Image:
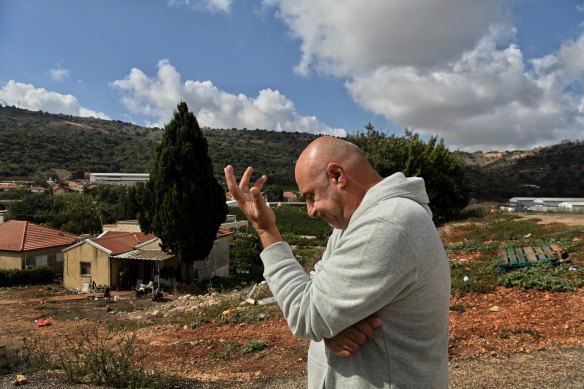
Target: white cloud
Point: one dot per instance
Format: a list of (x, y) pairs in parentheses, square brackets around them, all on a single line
[(205, 5), (59, 74), (39, 99), (445, 67), (158, 97)]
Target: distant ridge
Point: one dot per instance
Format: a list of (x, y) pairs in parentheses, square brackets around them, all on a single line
[(35, 144)]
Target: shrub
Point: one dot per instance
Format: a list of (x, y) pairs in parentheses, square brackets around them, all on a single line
[(37, 275), (112, 359)]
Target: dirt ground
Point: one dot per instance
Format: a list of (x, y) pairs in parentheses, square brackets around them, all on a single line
[(500, 324)]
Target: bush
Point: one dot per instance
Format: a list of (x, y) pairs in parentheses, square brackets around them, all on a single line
[(37, 275)]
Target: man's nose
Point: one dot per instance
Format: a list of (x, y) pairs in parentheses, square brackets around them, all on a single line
[(312, 213)]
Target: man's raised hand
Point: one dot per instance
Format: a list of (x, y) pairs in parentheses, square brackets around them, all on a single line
[(252, 204)]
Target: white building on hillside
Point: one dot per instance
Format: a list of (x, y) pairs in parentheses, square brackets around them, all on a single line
[(547, 204), (118, 178)]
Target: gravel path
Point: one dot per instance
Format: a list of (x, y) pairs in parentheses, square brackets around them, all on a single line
[(558, 368)]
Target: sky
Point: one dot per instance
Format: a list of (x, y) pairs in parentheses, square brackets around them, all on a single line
[(482, 75)]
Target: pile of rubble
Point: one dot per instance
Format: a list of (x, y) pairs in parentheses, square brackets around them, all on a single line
[(191, 304)]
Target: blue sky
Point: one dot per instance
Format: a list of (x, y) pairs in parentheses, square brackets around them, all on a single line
[(483, 75)]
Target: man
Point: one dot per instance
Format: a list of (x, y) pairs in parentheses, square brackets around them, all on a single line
[(384, 260)]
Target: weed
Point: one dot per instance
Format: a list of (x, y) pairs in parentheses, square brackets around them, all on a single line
[(198, 321), (112, 359), (473, 277), (254, 345), (503, 334), (458, 308), (543, 277), (34, 355), (217, 355)]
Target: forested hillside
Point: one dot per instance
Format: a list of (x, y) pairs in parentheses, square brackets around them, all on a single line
[(34, 144), (555, 171)]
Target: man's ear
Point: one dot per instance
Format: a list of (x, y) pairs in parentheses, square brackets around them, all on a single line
[(336, 173)]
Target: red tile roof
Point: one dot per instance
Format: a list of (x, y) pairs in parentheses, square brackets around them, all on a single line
[(223, 232), (18, 235), (118, 242), (289, 195)]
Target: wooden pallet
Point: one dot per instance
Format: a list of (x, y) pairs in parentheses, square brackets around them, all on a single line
[(514, 257)]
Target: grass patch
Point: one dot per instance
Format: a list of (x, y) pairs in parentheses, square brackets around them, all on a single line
[(253, 346)]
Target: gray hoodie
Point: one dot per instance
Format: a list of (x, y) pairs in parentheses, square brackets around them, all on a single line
[(388, 262)]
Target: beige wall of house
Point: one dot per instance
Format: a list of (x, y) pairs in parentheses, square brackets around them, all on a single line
[(217, 263), (10, 260), (123, 226), (85, 263), (51, 257), (154, 245)]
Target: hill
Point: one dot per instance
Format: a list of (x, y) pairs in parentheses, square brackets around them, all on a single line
[(554, 171), (36, 145)]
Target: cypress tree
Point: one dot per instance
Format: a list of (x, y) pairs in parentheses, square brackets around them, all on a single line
[(183, 204)]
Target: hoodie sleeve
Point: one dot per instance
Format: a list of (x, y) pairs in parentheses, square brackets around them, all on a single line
[(366, 271)]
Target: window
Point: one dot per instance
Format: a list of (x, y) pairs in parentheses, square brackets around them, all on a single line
[(60, 257), (85, 268), (41, 260)]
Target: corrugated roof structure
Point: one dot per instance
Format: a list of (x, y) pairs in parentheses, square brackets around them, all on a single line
[(147, 255), (118, 243), (18, 235)]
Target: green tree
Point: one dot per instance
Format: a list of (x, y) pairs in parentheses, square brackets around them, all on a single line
[(244, 254), (273, 192), (35, 207), (78, 216), (442, 172), (183, 204)]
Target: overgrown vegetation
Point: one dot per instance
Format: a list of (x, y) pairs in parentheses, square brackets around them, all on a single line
[(480, 238), (113, 359), (555, 278)]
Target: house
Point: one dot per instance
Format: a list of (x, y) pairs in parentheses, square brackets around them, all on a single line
[(25, 245), (217, 262), (6, 186), (123, 259), (290, 196), (115, 259)]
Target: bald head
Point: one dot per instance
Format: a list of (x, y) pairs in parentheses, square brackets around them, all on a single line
[(327, 149), (334, 175)]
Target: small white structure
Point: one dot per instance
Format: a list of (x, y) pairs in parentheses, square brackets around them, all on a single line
[(118, 178), (546, 203)]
